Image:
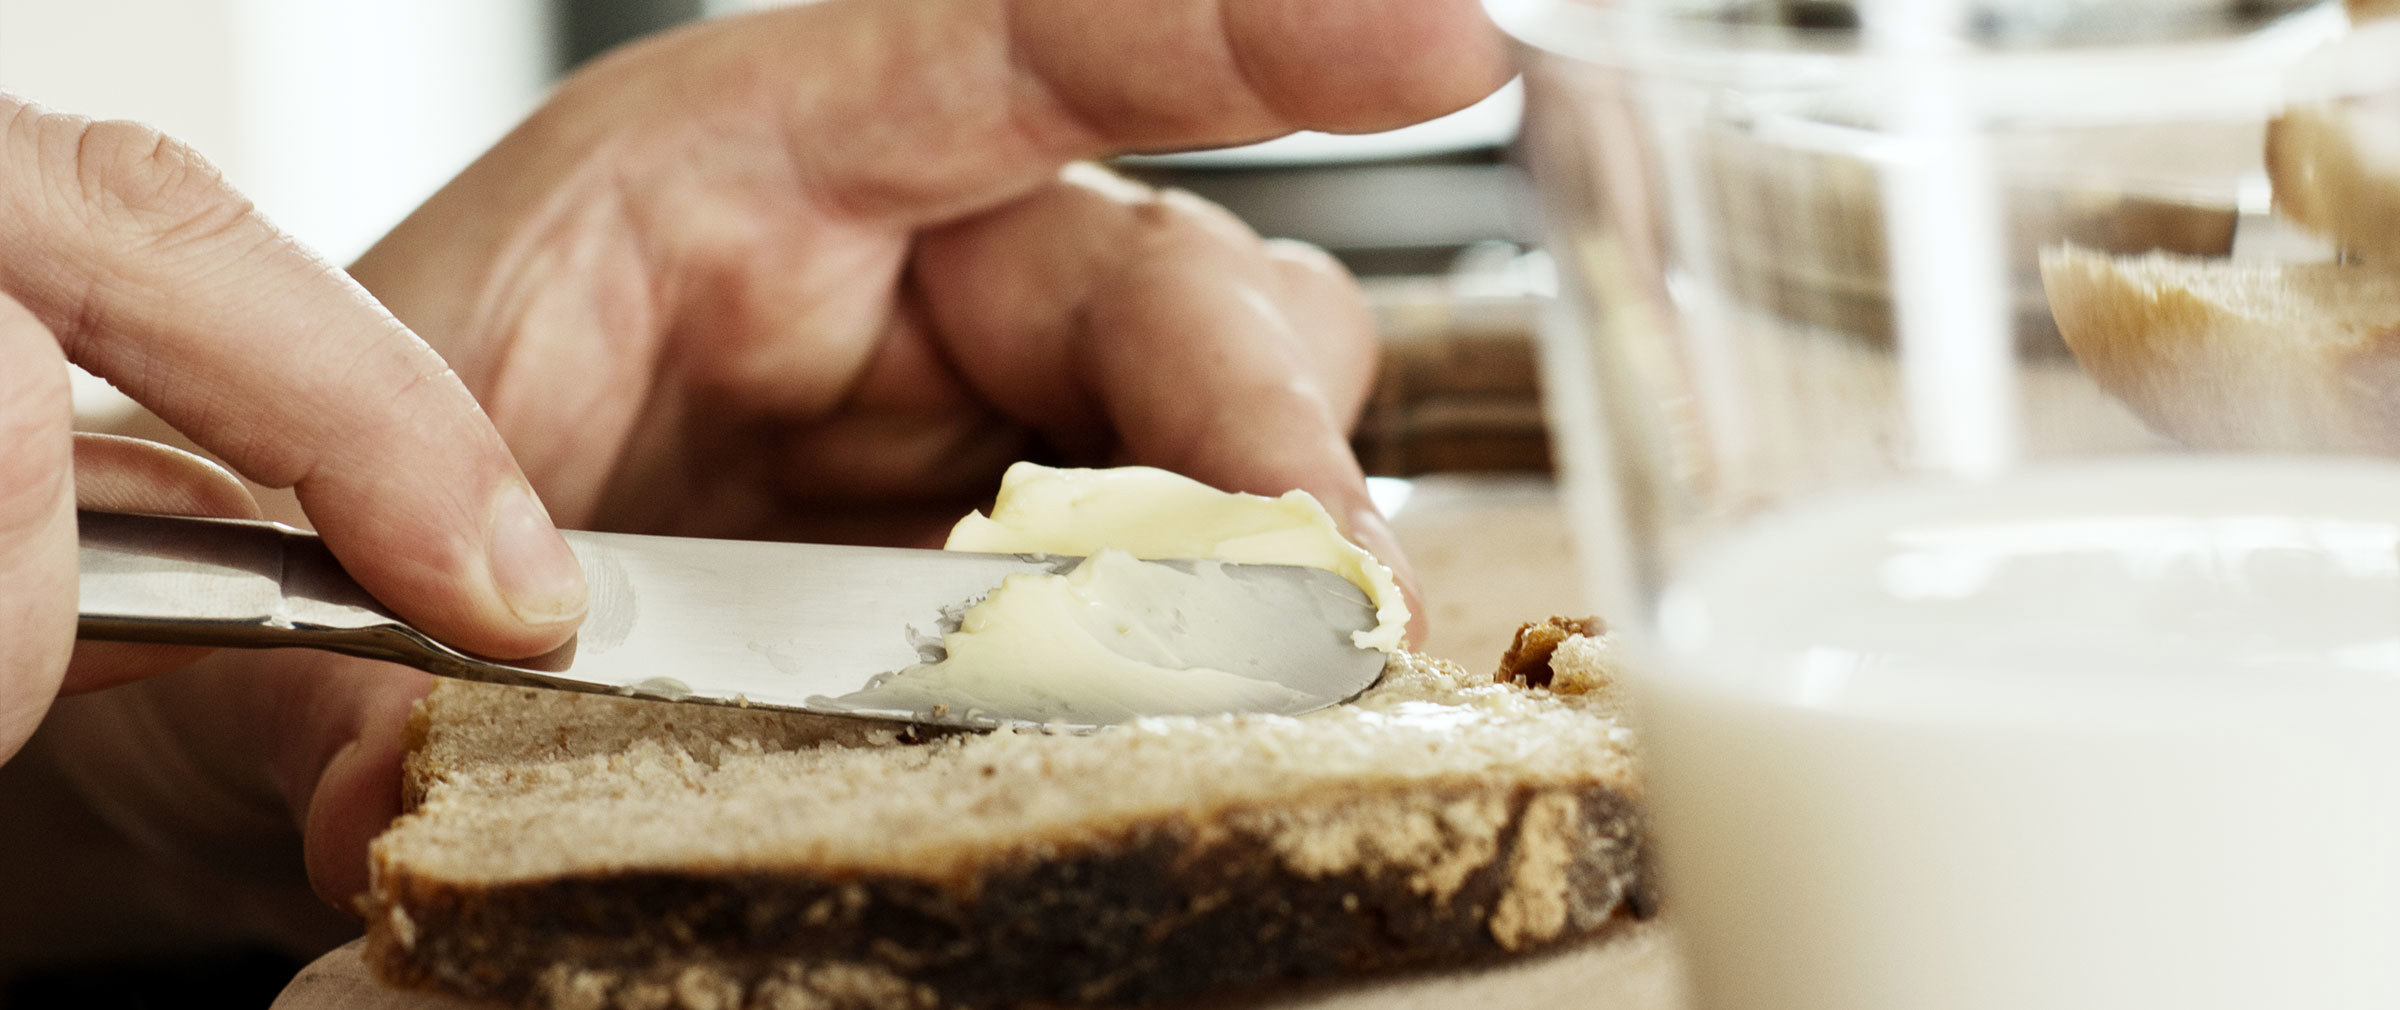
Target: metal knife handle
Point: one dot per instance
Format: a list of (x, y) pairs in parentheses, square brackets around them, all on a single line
[(230, 582)]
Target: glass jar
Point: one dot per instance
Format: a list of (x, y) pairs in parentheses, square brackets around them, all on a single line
[(1980, 418)]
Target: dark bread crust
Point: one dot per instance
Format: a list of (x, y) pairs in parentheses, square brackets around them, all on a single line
[(1166, 910)]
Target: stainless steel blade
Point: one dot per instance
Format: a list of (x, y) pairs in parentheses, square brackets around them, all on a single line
[(798, 625), (775, 625)]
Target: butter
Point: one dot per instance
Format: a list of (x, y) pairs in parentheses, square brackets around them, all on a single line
[(1152, 513), (1108, 641), (1095, 645)]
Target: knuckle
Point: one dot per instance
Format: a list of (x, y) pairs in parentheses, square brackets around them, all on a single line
[(1186, 216), (1154, 215), (404, 394), (1313, 276), (1153, 221), (1310, 262), (133, 178), (1100, 181)]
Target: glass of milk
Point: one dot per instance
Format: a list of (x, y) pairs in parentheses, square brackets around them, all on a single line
[(1988, 449)]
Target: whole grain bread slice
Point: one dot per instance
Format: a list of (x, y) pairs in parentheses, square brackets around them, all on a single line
[(576, 851), (2302, 357)]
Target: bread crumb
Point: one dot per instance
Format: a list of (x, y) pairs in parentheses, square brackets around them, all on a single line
[(1583, 666), (1527, 660)]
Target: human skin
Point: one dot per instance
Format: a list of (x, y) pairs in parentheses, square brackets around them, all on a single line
[(820, 273), (125, 252)]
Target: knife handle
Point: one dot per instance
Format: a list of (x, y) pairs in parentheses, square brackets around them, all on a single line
[(177, 580)]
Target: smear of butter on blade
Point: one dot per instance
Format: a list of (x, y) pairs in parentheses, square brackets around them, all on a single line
[(1096, 645), (1112, 640), (1152, 513)]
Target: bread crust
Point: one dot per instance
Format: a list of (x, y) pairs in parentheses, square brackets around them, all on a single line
[(2368, 10), (2314, 375), (1146, 917), (1345, 875)]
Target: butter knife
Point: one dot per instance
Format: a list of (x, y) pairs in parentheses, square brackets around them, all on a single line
[(763, 625)]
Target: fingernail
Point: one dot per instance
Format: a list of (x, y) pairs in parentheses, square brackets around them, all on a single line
[(534, 570), (1369, 529)]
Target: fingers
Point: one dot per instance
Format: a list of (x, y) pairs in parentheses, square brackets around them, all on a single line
[(1323, 298), (1116, 319), (926, 110), (341, 771), (332, 761), (210, 772), (37, 524), (158, 276), (118, 474)]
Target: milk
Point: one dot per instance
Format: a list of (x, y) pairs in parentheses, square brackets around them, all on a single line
[(2112, 735)]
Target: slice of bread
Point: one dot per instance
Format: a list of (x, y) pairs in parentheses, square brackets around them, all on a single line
[(576, 851), (2336, 171), (2301, 357)]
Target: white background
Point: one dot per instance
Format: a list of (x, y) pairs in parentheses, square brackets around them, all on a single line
[(337, 116)]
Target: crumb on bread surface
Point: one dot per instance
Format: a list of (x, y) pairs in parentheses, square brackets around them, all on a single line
[(1527, 660)]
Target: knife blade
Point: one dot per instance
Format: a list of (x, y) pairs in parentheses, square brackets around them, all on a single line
[(758, 624)]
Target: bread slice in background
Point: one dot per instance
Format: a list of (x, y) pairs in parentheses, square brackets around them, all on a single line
[(2336, 171), (2300, 357), (578, 851)]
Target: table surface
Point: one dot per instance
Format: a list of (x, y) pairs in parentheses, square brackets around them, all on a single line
[(1633, 969), (1490, 553)]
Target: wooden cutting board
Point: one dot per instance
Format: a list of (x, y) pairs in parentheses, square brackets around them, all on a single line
[(1634, 969)]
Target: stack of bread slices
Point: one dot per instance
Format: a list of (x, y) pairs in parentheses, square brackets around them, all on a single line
[(2278, 357)]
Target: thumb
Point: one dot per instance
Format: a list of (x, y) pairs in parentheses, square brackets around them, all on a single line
[(999, 93), (116, 474), (37, 524)]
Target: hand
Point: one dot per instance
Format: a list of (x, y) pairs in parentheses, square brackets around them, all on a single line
[(124, 252), (821, 272), (160, 814), (818, 274)]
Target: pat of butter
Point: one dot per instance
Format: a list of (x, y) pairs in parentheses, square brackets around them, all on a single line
[(1151, 513), (1093, 645), (1107, 641)]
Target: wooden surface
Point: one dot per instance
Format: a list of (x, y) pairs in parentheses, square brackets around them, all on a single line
[(1632, 970), (1457, 390), (1490, 552)]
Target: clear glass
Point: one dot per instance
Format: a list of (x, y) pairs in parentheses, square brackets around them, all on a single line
[(1989, 432)]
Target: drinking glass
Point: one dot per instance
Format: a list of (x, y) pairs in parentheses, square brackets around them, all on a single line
[(1979, 418)]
